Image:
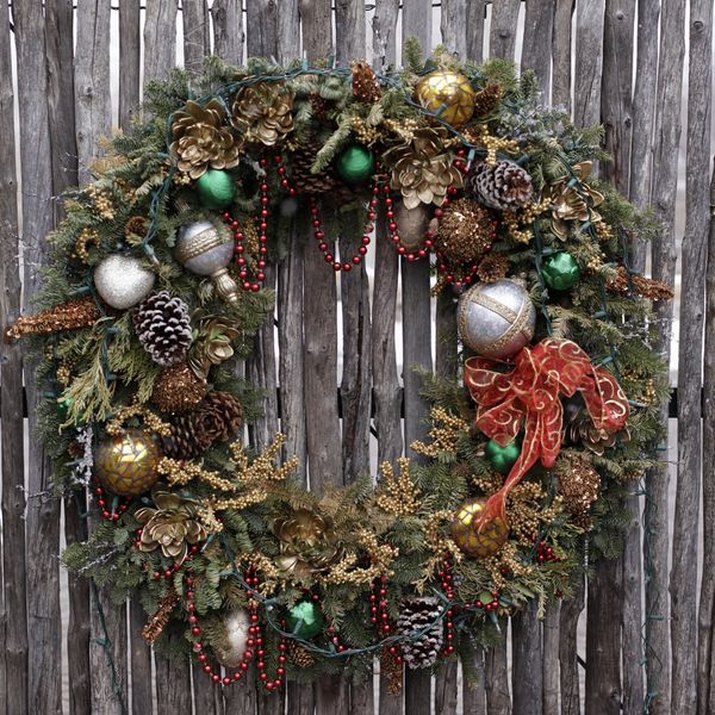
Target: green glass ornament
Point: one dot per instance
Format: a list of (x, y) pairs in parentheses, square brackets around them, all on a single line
[(216, 189), (305, 620), (561, 271), (502, 458), (355, 165), (63, 407)]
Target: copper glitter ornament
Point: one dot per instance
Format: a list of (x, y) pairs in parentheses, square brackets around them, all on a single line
[(178, 389), (447, 94), (66, 316), (126, 463), (479, 544), (466, 231)]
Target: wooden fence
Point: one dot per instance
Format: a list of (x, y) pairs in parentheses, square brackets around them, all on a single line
[(644, 618)]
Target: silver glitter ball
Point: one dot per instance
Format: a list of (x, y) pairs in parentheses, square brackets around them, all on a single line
[(496, 320), (122, 281), (203, 249)]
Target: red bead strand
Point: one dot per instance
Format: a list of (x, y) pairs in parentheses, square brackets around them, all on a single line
[(107, 509), (448, 588)]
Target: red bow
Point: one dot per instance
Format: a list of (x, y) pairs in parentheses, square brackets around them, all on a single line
[(529, 396)]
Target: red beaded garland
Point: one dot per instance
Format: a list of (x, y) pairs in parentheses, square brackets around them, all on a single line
[(117, 507), (448, 587)]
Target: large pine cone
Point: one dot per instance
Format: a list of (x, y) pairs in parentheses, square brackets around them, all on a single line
[(503, 186), (163, 326), (420, 621), (263, 112), (217, 418), (202, 140), (303, 179)]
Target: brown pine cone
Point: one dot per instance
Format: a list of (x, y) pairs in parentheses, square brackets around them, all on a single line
[(299, 656), (301, 176), (487, 99), (503, 186)]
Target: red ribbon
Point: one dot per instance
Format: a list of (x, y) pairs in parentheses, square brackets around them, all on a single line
[(529, 397)]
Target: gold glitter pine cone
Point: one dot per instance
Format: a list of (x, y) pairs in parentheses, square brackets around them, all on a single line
[(422, 170), (68, 316), (493, 267), (579, 482), (466, 231), (263, 112), (365, 86), (172, 526), (202, 140), (178, 389)]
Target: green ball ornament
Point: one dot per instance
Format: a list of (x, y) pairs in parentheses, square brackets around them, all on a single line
[(305, 620), (561, 271), (502, 458), (216, 189), (355, 165)]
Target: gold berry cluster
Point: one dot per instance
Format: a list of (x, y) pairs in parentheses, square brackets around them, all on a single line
[(87, 237), (397, 494), (101, 202), (446, 431), (151, 421)]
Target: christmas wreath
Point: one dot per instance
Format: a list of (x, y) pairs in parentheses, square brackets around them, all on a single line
[(155, 290)]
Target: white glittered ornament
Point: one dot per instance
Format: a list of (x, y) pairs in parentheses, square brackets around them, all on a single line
[(496, 320), (122, 281), (231, 645)]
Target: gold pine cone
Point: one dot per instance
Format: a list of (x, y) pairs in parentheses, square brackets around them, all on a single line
[(178, 389), (580, 483), (263, 112), (202, 140)]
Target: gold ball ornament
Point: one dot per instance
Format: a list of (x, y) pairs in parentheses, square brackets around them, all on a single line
[(126, 463), (447, 94), (480, 544)]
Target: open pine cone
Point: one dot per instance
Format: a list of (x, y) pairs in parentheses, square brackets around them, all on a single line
[(420, 621), (263, 112), (202, 140), (422, 170), (163, 326), (503, 186)]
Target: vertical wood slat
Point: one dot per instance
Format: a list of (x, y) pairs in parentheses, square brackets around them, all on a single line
[(14, 631), (561, 53), (689, 671), (474, 697), (349, 30), (384, 27), (228, 30), (173, 685), (159, 39), (568, 649), (496, 675), (140, 659), (208, 699), (475, 30), (589, 61), (129, 58), (550, 659), (453, 26), (196, 34), (261, 39), (706, 614), (527, 657), (239, 698), (536, 54), (502, 36)]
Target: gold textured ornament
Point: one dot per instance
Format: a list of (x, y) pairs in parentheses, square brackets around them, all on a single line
[(480, 544), (447, 94), (178, 389), (126, 464)]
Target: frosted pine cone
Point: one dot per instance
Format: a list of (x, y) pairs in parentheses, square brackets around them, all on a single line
[(420, 621), (163, 326), (503, 186)]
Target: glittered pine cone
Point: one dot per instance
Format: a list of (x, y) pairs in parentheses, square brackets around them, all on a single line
[(579, 483), (365, 85), (201, 139), (263, 112), (212, 344), (308, 543), (422, 170), (503, 186), (466, 231), (172, 525), (178, 389), (420, 622), (163, 326)]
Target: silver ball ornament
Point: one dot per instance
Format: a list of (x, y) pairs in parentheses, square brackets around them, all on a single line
[(202, 249), (231, 644), (122, 281), (496, 320)]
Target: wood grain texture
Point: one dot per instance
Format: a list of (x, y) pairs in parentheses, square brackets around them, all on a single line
[(239, 698), (140, 660), (159, 39), (445, 689), (129, 57), (288, 30), (453, 26), (349, 30), (561, 54), (502, 35), (261, 23), (550, 659), (14, 607), (384, 27), (474, 695), (228, 30), (196, 34), (568, 649), (173, 685), (527, 658), (688, 673), (589, 62), (535, 52), (315, 16), (475, 30), (208, 699), (706, 612), (496, 676), (603, 640)]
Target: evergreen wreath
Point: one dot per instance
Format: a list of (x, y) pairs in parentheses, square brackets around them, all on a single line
[(154, 291)]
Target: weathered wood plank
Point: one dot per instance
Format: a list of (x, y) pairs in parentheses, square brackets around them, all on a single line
[(196, 34), (706, 613), (208, 699), (535, 52), (140, 659), (159, 39), (261, 24), (561, 53), (496, 676), (228, 30), (445, 689), (527, 658), (129, 57), (550, 659), (603, 640), (11, 409), (384, 26), (475, 30), (688, 673), (589, 62), (349, 30), (239, 698), (453, 26), (568, 649), (173, 685), (474, 697), (315, 16), (502, 36), (288, 30)]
